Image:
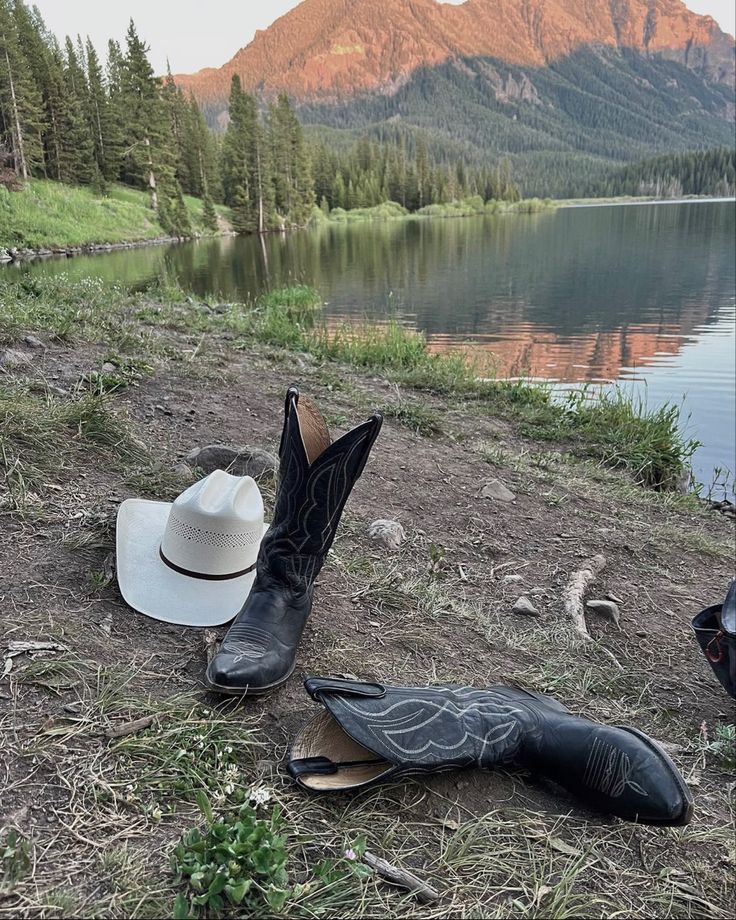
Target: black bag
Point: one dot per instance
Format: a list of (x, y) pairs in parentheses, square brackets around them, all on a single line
[(715, 630)]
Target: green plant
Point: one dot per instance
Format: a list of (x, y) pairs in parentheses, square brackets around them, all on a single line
[(16, 859), (416, 418), (239, 864), (722, 746)]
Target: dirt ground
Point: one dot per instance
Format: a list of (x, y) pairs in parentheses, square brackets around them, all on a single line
[(99, 815)]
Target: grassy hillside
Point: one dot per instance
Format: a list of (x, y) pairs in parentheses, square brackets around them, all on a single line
[(48, 214)]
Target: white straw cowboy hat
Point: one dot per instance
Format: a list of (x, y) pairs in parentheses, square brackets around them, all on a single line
[(192, 563)]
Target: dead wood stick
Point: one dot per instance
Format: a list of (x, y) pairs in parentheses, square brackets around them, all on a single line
[(130, 728), (422, 891), (210, 640), (574, 594)]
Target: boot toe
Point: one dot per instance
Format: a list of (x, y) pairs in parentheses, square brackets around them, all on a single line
[(235, 674), (629, 775)]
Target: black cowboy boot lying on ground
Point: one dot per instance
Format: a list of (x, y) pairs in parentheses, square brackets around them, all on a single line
[(315, 480), (369, 733)]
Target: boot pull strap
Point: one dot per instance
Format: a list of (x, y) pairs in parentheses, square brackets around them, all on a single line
[(323, 766), (316, 685)]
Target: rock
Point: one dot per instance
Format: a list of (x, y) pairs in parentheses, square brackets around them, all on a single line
[(5, 256), (185, 471), (109, 368), (57, 391), (524, 606), (511, 579), (11, 358), (243, 461), (388, 533), (496, 490), (33, 342), (605, 609)]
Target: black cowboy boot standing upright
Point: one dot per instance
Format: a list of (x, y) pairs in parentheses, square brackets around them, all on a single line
[(316, 478)]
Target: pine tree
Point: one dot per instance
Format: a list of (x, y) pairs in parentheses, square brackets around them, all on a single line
[(209, 213), (106, 143), (148, 153), (21, 105), (78, 162)]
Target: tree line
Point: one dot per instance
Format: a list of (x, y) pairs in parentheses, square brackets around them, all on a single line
[(699, 172)]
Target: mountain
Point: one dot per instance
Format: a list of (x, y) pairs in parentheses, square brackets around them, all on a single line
[(332, 48), (554, 84)]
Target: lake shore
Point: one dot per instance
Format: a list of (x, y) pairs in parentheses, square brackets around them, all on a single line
[(51, 220), (105, 392)]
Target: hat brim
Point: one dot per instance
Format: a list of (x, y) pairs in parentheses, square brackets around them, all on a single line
[(149, 586)]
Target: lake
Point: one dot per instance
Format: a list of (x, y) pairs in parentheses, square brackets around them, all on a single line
[(644, 295)]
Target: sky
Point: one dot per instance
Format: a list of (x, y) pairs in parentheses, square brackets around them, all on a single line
[(207, 33)]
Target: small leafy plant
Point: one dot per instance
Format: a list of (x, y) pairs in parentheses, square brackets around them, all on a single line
[(239, 865), (16, 860)]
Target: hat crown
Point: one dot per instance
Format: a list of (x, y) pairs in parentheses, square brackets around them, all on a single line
[(215, 527)]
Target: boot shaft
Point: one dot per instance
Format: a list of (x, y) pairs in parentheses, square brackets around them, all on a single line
[(315, 482)]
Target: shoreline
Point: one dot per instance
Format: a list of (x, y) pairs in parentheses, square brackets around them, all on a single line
[(19, 255)]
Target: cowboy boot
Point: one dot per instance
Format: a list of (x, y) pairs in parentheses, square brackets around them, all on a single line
[(369, 733), (316, 477)]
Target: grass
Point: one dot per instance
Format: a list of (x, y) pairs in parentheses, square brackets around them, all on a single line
[(50, 214), (40, 433)]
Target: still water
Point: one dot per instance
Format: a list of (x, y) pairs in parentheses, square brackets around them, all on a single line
[(643, 295)]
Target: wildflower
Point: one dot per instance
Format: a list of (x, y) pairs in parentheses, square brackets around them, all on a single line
[(351, 855), (260, 796)]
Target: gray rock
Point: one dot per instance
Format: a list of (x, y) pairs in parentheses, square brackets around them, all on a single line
[(185, 471), (496, 490), (511, 579), (242, 461), (388, 533), (606, 609), (33, 342), (11, 358), (524, 606), (109, 368)]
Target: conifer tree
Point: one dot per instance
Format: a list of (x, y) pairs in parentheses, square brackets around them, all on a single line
[(21, 105)]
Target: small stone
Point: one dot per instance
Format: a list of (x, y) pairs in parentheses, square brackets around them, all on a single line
[(496, 490), (605, 609), (388, 533), (524, 606), (109, 368), (243, 461), (184, 471), (511, 579), (537, 592), (33, 342), (11, 358)]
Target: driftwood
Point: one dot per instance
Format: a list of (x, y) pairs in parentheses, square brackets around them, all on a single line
[(574, 594), (130, 728), (210, 640), (421, 890)]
